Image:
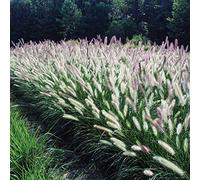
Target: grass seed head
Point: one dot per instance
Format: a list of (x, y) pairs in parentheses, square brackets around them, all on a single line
[(106, 142), (167, 147), (136, 123), (186, 145), (170, 165), (102, 128), (76, 103), (136, 148), (70, 117), (148, 172), (121, 145), (179, 129), (113, 125), (110, 117), (129, 153)]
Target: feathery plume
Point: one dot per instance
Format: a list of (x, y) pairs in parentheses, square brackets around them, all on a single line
[(118, 143), (105, 142), (148, 172), (136, 123), (179, 129), (185, 145), (167, 147), (136, 148), (70, 117), (103, 129), (169, 165), (129, 153), (76, 103)]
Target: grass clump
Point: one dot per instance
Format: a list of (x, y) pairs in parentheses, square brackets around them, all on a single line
[(29, 157), (131, 117)]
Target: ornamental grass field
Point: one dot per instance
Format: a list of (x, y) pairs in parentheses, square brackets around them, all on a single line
[(125, 107)]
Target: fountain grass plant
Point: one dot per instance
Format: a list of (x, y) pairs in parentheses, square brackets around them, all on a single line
[(128, 108)]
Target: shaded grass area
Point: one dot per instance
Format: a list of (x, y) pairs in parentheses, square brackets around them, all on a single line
[(38, 154), (30, 158)]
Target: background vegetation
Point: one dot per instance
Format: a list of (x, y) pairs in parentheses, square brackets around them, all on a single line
[(57, 19)]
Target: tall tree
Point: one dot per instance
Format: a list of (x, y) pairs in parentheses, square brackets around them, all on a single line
[(156, 14), (95, 17), (50, 11), (135, 11), (57, 19), (20, 17), (71, 18), (179, 24), (123, 22)]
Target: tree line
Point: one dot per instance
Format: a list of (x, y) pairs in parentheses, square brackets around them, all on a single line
[(37, 20)]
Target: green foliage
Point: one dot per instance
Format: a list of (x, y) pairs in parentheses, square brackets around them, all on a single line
[(95, 17), (117, 28), (119, 7), (29, 157), (71, 17), (136, 39), (179, 23), (58, 19)]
